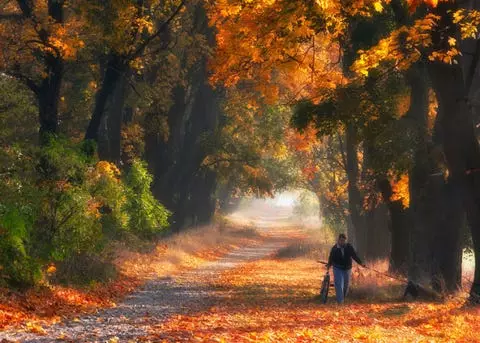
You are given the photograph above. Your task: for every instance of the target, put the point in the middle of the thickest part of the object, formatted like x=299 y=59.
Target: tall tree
x=36 y=38
x=127 y=33
x=436 y=37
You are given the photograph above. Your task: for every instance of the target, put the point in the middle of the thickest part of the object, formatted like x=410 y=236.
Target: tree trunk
x=422 y=203
x=355 y=201
x=114 y=71
x=400 y=226
x=49 y=97
x=461 y=148
x=48 y=93
x=447 y=247
x=109 y=142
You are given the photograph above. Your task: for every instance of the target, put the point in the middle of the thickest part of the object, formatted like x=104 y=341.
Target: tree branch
x=26 y=80
x=10 y=16
x=160 y=30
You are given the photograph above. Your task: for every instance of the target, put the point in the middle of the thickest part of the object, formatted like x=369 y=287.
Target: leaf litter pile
x=276 y=300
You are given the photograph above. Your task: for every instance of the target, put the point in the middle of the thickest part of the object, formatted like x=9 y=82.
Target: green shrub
x=58 y=204
x=77 y=225
x=109 y=191
x=146 y=215
x=69 y=223
x=17 y=268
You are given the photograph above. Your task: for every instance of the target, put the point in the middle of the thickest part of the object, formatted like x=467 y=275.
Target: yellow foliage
x=51 y=269
x=401 y=191
x=403 y=47
x=272 y=47
x=432 y=110
x=105 y=169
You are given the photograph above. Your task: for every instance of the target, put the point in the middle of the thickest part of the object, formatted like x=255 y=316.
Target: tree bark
x=461 y=148
x=49 y=96
x=48 y=91
x=115 y=70
x=400 y=226
x=422 y=204
x=109 y=141
x=355 y=201
x=447 y=247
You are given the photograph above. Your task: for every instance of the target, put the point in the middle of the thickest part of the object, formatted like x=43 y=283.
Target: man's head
x=342 y=239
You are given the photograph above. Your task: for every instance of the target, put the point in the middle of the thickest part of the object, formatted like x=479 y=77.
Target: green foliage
x=18 y=211
x=17 y=268
x=147 y=215
x=67 y=225
x=76 y=227
x=18 y=113
x=59 y=204
x=61 y=160
x=110 y=194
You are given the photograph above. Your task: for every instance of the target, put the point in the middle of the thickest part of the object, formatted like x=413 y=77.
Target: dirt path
x=157 y=301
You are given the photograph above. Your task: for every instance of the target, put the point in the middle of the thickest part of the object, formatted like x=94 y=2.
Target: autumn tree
x=434 y=39
x=122 y=35
x=37 y=37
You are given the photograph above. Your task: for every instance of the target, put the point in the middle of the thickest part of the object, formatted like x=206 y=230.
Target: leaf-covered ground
x=268 y=299
x=50 y=304
x=274 y=300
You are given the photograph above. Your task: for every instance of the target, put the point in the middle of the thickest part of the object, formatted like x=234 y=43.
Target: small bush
x=69 y=223
x=17 y=268
x=146 y=215
x=18 y=210
x=109 y=190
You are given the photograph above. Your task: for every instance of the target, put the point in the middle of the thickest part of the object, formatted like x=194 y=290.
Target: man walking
x=340 y=258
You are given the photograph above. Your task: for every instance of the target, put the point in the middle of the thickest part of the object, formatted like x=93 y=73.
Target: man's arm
x=355 y=257
x=330 y=259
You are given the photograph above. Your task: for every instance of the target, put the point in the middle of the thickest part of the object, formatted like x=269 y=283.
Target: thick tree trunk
x=48 y=96
x=203 y=199
x=447 y=250
x=378 y=237
x=461 y=148
x=400 y=227
x=48 y=93
x=355 y=200
x=109 y=141
x=422 y=204
x=114 y=72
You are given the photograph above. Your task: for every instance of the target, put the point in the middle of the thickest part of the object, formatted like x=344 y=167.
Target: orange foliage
x=413 y=4
x=432 y=110
x=272 y=48
x=106 y=169
x=401 y=190
x=302 y=141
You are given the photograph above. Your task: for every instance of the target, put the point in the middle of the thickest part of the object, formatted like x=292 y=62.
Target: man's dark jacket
x=343 y=261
